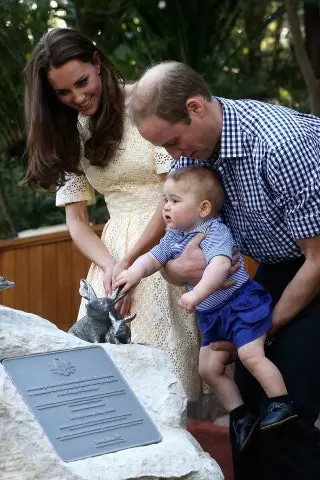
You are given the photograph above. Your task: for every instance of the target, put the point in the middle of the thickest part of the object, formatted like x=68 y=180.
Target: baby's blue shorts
x=242 y=318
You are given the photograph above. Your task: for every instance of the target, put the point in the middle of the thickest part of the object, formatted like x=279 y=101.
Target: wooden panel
x=79 y=267
x=47 y=269
x=251 y=266
x=21 y=277
x=36 y=290
x=49 y=286
x=47 y=238
x=64 y=302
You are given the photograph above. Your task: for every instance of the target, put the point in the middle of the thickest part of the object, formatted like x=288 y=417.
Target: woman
x=80 y=138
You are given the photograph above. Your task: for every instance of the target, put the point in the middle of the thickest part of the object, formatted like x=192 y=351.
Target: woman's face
x=78 y=85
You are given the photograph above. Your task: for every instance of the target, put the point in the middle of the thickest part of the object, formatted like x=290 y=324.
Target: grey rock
x=25 y=452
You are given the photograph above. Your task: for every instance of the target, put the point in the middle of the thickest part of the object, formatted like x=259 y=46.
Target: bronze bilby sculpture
x=4 y=283
x=103 y=323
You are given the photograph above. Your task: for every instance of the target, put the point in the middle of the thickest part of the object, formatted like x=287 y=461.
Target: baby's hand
x=128 y=278
x=188 y=301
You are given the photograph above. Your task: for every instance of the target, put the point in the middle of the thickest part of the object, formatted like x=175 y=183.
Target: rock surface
x=25 y=452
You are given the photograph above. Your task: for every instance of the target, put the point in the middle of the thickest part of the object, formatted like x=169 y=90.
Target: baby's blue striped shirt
x=218 y=241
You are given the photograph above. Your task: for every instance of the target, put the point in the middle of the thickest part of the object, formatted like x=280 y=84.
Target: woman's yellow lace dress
x=132 y=186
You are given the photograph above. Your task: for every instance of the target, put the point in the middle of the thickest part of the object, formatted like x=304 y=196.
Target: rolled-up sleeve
x=163 y=251
x=298 y=185
x=76 y=189
x=218 y=241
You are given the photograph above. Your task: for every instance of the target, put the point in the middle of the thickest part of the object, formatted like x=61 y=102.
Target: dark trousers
x=291 y=451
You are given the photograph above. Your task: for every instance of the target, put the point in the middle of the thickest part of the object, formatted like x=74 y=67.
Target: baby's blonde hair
x=204 y=182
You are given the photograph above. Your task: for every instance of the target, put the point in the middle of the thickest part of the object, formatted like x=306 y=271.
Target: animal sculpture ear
x=113 y=319
x=116 y=295
x=129 y=318
x=86 y=291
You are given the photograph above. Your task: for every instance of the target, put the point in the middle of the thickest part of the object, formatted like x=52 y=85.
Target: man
x=268 y=159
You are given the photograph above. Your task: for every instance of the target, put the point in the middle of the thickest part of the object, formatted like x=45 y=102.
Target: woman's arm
x=152 y=234
x=87 y=241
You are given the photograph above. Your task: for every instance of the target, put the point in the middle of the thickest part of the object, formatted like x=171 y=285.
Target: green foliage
x=27 y=209
x=21 y=25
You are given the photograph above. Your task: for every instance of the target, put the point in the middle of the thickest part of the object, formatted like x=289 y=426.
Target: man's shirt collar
x=201 y=228
x=231 y=136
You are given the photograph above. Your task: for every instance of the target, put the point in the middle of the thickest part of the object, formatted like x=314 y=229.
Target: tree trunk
x=302 y=57
x=312 y=37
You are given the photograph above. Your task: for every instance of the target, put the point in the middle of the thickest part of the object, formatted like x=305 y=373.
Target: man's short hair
x=167 y=94
x=204 y=181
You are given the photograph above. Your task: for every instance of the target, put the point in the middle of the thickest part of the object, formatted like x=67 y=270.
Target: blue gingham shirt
x=218 y=241
x=269 y=164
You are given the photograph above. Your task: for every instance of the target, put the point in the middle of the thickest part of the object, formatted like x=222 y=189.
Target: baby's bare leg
x=253 y=357
x=212 y=366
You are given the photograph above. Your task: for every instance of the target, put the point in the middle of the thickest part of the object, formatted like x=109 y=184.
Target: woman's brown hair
x=53 y=141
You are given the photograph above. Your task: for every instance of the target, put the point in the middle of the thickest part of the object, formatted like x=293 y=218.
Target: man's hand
x=188 y=301
x=273 y=330
x=225 y=346
x=277 y=323
x=235 y=265
x=189 y=267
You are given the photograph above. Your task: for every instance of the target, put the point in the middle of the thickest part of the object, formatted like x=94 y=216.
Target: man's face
x=197 y=139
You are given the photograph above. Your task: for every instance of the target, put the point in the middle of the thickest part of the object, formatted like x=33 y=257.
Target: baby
x=241 y=313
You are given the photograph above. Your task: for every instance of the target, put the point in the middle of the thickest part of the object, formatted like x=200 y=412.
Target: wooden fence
x=47 y=270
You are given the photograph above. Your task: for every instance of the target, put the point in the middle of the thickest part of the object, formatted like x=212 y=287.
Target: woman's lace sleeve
x=163 y=160
x=76 y=189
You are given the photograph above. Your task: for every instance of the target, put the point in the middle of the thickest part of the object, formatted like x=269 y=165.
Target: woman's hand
x=107 y=277
x=124 y=305
x=123 y=264
x=225 y=346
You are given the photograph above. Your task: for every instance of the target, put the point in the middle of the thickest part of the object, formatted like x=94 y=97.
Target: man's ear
x=205 y=208
x=195 y=107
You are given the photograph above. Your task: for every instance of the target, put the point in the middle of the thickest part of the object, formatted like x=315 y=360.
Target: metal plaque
x=82 y=402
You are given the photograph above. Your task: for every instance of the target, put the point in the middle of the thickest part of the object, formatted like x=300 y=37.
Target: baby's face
x=182 y=206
